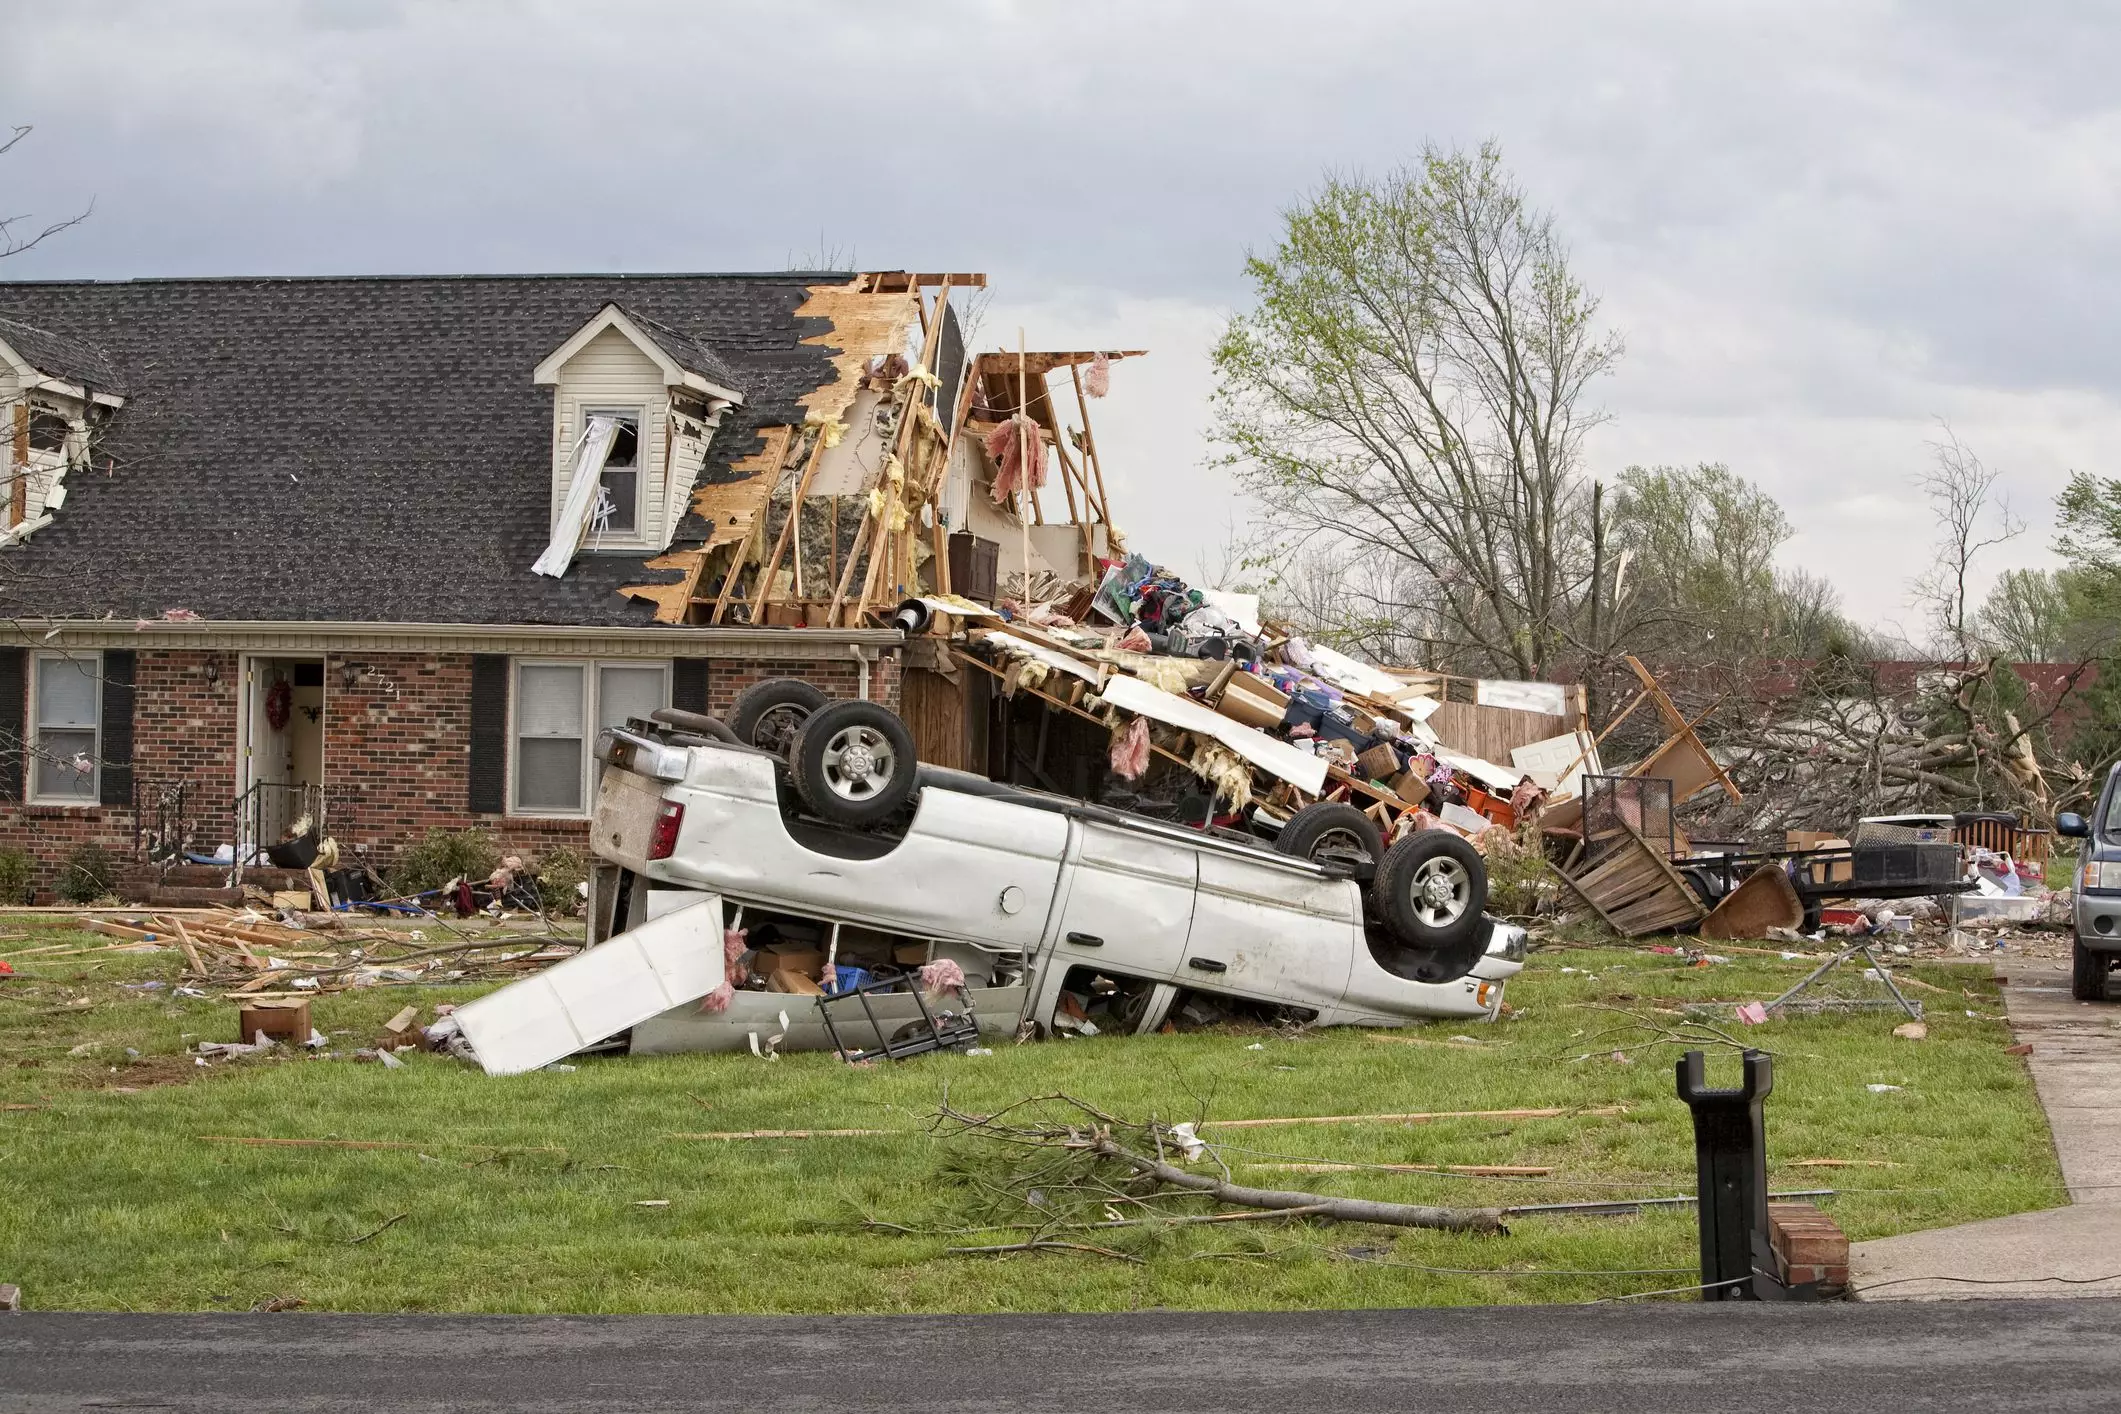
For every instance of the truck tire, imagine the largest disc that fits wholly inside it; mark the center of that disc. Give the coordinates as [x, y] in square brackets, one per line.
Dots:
[853, 763]
[768, 714]
[1333, 832]
[2088, 972]
[1430, 891]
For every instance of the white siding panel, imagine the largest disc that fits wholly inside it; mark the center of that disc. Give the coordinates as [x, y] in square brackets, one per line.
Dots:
[611, 370]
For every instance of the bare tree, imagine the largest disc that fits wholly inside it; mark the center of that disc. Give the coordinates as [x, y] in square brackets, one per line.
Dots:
[1972, 515]
[20, 233]
[1409, 388]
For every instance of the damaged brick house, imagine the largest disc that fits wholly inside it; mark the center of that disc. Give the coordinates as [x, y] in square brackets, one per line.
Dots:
[269, 545]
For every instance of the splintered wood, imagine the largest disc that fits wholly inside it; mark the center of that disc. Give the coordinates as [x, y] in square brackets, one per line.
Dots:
[733, 511]
[1635, 889]
[864, 324]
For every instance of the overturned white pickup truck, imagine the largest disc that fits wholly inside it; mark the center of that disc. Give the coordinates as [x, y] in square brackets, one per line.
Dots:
[842, 841]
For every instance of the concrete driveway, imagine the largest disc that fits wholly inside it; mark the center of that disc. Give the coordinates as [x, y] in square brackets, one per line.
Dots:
[2067, 1251]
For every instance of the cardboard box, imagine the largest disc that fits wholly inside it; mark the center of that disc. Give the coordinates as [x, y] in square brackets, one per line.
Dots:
[1824, 871]
[796, 983]
[297, 899]
[910, 954]
[1378, 763]
[1251, 699]
[1410, 787]
[286, 1021]
[783, 958]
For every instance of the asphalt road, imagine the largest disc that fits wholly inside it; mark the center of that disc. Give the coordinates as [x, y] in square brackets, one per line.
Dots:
[1973, 1355]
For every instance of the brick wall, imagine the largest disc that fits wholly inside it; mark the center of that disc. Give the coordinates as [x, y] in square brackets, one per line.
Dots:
[396, 749]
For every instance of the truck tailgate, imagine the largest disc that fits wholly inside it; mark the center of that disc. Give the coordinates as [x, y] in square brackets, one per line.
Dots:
[625, 817]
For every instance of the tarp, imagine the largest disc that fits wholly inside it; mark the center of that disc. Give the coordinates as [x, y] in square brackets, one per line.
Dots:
[1299, 768]
[596, 994]
[582, 486]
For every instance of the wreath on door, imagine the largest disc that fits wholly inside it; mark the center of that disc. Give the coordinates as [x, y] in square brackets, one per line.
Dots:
[279, 699]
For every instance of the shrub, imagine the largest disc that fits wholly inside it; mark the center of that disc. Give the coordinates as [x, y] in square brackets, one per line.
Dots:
[1520, 885]
[17, 874]
[559, 872]
[89, 873]
[442, 855]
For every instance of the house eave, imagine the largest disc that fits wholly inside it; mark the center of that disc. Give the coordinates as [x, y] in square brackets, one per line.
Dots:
[560, 640]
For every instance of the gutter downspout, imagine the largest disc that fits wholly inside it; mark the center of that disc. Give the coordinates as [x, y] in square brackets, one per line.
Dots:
[862, 688]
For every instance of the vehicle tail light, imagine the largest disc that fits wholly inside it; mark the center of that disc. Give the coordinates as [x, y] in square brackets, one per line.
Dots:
[663, 842]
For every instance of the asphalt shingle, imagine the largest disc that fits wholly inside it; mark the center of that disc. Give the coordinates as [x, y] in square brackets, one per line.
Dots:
[366, 449]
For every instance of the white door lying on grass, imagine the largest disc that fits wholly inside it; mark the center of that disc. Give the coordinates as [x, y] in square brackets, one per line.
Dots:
[596, 994]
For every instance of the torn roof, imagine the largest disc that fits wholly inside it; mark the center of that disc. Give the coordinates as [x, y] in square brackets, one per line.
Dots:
[373, 449]
[687, 351]
[60, 356]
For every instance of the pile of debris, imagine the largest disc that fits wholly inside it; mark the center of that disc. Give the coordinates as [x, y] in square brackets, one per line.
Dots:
[249, 956]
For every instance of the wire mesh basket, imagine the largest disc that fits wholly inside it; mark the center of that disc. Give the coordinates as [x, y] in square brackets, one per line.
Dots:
[1615, 805]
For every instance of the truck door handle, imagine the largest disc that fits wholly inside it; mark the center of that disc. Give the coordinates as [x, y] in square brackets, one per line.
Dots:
[1207, 964]
[1086, 940]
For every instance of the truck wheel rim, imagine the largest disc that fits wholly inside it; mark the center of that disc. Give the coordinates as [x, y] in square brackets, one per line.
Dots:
[776, 728]
[858, 763]
[1439, 891]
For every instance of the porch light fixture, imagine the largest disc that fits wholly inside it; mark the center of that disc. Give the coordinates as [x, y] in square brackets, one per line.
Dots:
[349, 674]
[211, 671]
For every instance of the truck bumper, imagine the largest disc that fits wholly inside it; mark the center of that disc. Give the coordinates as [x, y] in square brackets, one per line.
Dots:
[2098, 917]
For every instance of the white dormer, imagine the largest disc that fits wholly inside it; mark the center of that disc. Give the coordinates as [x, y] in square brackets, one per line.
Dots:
[666, 391]
[55, 392]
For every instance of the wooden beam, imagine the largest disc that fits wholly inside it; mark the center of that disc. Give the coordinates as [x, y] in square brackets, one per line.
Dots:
[1104, 502]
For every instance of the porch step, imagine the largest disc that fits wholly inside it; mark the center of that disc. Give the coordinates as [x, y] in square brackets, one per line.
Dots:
[195, 876]
[167, 897]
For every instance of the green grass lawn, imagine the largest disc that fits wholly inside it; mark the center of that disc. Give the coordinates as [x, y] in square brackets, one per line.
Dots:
[526, 1194]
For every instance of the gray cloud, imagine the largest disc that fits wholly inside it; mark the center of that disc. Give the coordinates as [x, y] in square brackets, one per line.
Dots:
[1819, 225]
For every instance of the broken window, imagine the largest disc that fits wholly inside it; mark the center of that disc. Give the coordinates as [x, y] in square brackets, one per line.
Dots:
[48, 428]
[622, 472]
[559, 708]
[64, 732]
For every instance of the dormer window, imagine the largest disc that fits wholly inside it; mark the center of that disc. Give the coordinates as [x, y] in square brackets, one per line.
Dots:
[55, 394]
[665, 391]
[619, 512]
[48, 428]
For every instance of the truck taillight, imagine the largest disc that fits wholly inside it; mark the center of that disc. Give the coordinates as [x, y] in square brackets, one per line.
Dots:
[664, 841]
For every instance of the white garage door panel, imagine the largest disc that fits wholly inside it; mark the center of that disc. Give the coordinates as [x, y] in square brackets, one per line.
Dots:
[598, 993]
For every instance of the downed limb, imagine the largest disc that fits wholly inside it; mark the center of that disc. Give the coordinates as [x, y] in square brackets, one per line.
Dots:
[1350, 1210]
[1076, 1157]
[1045, 1244]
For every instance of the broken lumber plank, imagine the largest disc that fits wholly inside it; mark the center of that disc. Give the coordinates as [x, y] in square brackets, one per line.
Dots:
[1466, 1170]
[261, 1142]
[794, 1134]
[1420, 1117]
[261, 981]
[191, 952]
[1427, 1041]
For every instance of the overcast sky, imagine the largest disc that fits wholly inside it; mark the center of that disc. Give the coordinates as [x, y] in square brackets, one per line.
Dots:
[1820, 227]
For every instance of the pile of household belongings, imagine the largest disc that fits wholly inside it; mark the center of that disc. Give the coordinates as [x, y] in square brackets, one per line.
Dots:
[1270, 722]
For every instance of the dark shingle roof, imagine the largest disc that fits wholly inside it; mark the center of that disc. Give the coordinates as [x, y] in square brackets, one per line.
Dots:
[688, 351]
[58, 356]
[367, 449]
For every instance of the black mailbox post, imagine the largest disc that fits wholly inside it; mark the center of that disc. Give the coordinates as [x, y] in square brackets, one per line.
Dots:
[1730, 1163]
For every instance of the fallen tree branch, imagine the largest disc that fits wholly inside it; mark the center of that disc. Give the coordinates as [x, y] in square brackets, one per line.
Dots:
[1353, 1210]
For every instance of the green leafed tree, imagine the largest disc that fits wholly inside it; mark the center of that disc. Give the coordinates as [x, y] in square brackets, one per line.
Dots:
[1411, 388]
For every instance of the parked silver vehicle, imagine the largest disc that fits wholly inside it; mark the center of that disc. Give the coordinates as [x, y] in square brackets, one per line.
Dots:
[2095, 915]
[1036, 896]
